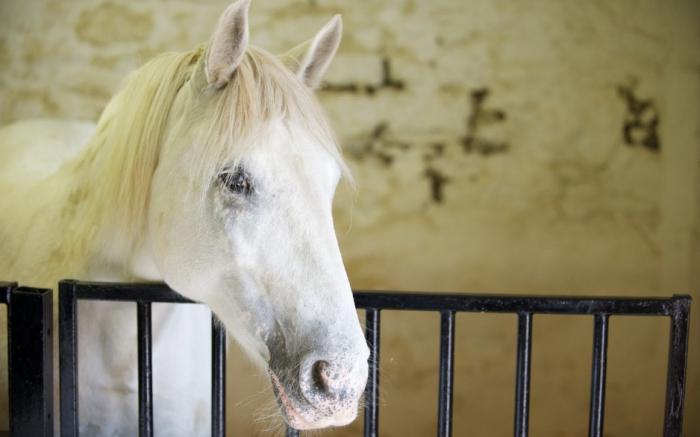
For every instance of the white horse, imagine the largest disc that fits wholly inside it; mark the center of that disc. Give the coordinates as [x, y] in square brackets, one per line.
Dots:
[214, 171]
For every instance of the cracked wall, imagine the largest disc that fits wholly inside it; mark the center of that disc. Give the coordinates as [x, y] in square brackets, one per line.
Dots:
[498, 146]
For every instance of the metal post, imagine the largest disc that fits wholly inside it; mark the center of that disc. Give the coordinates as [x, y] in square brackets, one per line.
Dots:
[145, 370]
[30, 362]
[372, 333]
[68, 358]
[447, 347]
[677, 363]
[218, 378]
[5, 289]
[600, 358]
[522, 375]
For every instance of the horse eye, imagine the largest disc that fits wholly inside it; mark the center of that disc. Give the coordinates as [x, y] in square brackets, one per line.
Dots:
[237, 182]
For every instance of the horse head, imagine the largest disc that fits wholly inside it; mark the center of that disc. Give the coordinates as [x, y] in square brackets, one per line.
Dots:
[240, 216]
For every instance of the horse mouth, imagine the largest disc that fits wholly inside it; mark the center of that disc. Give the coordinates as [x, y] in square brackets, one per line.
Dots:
[292, 416]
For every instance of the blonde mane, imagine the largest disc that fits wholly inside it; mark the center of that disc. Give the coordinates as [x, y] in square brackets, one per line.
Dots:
[123, 155]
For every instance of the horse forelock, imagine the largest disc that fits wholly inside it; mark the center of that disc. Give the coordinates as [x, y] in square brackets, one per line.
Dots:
[262, 89]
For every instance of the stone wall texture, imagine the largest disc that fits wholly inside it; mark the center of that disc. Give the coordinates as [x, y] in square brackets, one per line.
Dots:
[499, 146]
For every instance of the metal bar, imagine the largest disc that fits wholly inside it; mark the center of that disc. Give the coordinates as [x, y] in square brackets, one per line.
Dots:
[5, 288]
[447, 347]
[514, 303]
[68, 357]
[581, 305]
[600, 359]
[372, 333]
[218, 378]
[522, 375]
[30, 362]
[129, 292]
[677, 366]
[145, 369]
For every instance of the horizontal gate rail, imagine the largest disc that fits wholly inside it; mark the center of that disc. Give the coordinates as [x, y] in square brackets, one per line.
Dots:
[677, 308]
[494, 303]
[30, 355]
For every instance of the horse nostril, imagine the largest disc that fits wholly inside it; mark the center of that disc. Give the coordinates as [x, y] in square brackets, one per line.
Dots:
[319, 375]
[332, 383]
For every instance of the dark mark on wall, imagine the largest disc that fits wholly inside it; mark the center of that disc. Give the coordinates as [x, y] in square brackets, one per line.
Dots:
[386, 82]
[436, 179]
[438, 148]
[379, 130]
[352, 88]
[436, 151]
[640, 126]
[383, 146]
[472, 141]
[437, 183]
[378, 145]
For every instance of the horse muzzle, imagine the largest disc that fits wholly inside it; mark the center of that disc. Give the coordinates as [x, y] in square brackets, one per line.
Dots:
[324, 392]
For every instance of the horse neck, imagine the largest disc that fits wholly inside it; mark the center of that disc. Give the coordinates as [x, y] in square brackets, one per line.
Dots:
[96, 247]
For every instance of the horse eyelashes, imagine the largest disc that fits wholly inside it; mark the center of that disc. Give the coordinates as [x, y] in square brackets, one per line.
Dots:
[237, 181]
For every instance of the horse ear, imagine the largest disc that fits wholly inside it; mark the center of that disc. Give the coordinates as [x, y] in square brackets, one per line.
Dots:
[228, 44]
[309, 60]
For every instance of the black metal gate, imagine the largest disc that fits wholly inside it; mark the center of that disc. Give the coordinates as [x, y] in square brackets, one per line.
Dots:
[676, 308]
[143, 295]
[601, 309]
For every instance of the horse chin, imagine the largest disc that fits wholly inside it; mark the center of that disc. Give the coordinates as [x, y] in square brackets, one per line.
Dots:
[305, 417]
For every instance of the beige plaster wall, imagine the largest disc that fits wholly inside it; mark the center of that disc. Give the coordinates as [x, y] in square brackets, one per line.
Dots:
[487, 141]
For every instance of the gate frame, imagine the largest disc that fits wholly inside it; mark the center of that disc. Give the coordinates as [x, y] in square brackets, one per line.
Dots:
[677, 308]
